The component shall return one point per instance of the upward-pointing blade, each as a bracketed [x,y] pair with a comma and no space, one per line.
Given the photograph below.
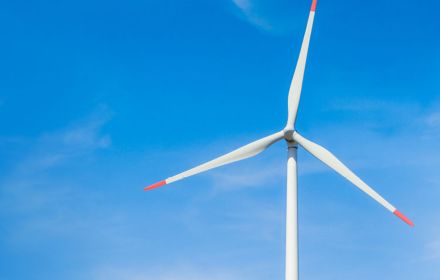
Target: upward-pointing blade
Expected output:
[297,80]
[329,159]
[244,152]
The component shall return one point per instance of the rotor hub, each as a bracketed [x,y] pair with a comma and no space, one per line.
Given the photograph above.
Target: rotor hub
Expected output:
[288,134]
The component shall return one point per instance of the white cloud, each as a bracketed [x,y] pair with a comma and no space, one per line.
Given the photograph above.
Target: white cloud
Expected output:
[433,250]
[433,119]
[43,201]
[249,10]
[431,122]
[78,139]
[252,175]
[274,16]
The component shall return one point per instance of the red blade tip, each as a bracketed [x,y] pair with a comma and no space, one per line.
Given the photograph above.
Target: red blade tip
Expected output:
[313,8]
[157,185]
[405,219]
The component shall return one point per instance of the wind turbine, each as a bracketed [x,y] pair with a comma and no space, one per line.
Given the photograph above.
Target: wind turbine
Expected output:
[293,139]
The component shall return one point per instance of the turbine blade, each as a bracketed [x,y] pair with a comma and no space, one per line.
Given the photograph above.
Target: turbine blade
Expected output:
[297,80]
[329,159]
[244,152]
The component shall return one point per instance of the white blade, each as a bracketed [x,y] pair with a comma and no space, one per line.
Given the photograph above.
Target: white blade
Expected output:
[296,85]
[244,152]
[329,159]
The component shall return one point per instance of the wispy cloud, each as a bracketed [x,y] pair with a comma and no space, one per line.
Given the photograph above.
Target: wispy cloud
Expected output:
[43,200]
[77,139]
[249,10]
[254,174]
[432,250]
[56,209]
[433,119]
[273,16]
[397,117]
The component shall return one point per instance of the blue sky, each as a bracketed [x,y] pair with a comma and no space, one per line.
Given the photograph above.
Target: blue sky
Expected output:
[100,98]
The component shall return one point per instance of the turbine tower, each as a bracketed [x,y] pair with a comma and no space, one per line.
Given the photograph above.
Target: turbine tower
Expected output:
[293,139]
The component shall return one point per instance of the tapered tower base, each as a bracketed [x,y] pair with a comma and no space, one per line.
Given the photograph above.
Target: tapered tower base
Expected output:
[292,213]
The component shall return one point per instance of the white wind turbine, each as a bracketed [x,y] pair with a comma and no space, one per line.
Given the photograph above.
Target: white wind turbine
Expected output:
[293,138]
